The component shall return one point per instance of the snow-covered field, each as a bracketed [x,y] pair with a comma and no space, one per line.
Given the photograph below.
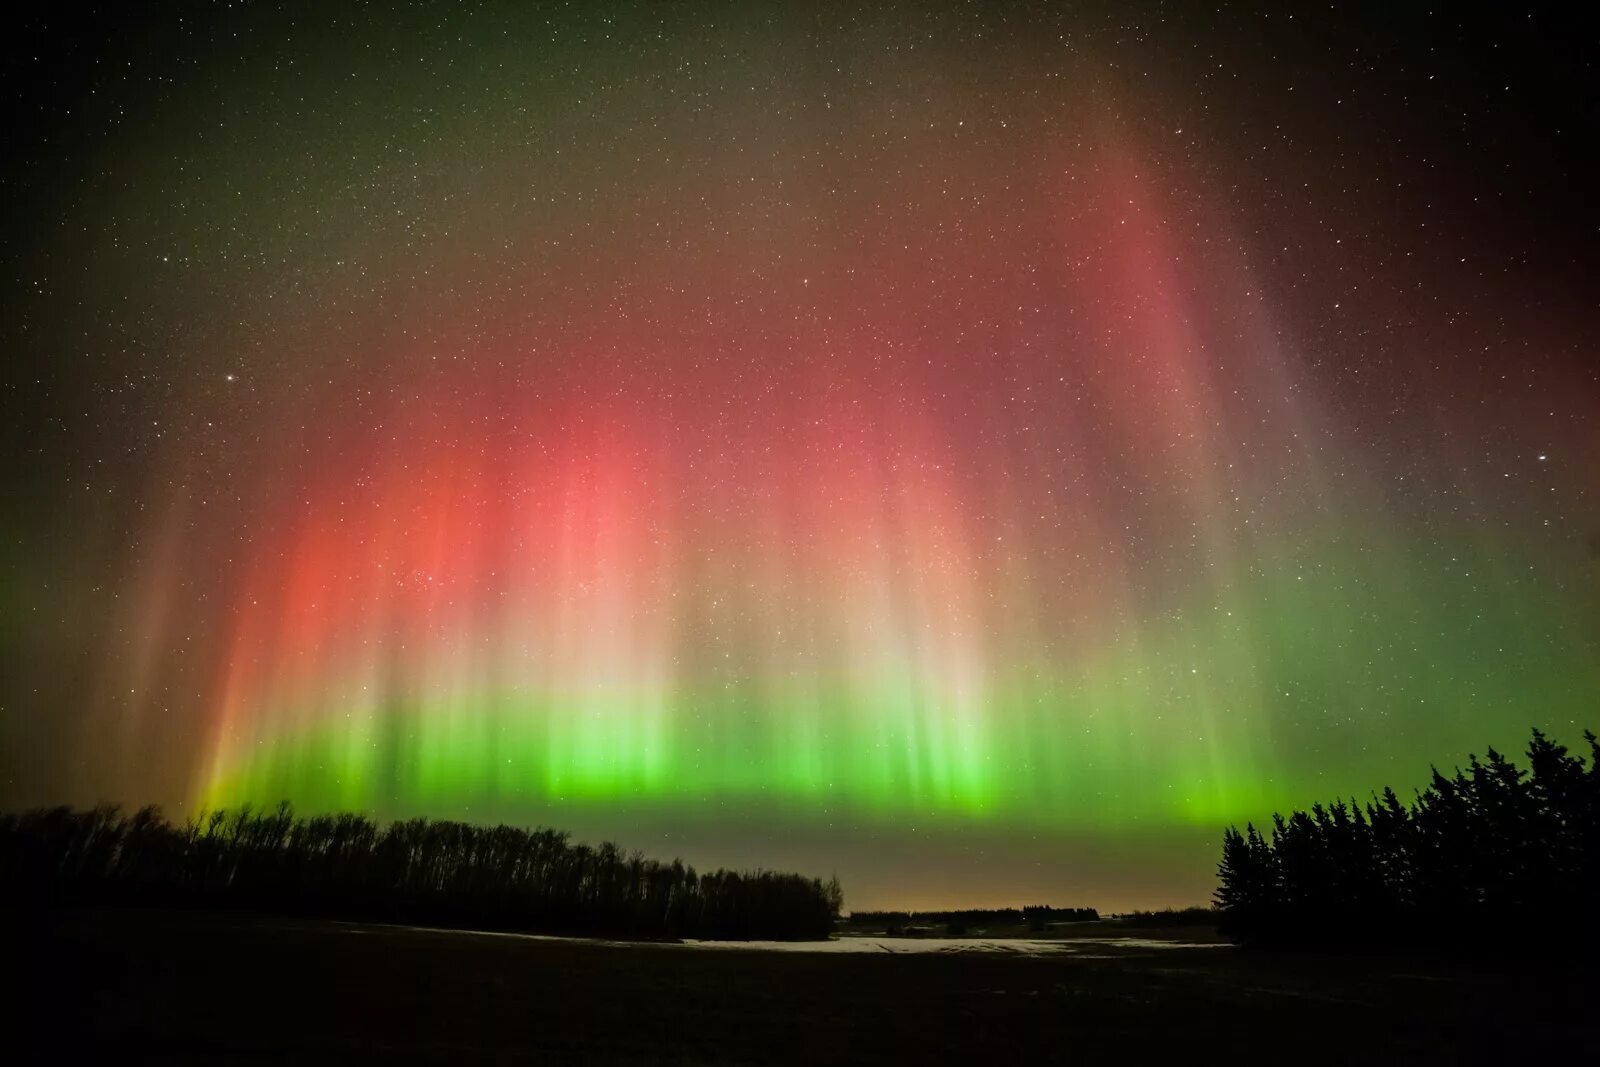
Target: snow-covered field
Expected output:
[1083,947]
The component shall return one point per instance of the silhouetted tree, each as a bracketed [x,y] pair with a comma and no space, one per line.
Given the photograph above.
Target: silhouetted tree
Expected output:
[1489,842]
[346,865]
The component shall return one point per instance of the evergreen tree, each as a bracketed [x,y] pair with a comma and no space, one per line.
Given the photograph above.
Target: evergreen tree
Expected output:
[1488,842]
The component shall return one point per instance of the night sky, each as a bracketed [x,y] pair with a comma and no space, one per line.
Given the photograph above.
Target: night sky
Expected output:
[978,450]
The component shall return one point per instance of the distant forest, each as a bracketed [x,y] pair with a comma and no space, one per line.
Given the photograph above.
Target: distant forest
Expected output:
[1491,844]
[956,923]
[347,866]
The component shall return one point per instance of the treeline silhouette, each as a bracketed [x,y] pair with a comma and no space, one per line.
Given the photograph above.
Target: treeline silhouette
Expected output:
[1171,917]
[1491,844]
[1035,916]
[418,871]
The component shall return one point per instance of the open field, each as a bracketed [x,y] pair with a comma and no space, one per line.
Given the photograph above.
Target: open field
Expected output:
[168,986]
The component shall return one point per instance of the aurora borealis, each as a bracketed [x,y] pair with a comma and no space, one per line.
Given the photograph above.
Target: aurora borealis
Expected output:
[980,450]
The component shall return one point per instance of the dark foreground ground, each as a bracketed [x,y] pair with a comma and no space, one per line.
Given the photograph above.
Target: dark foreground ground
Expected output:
[121,986]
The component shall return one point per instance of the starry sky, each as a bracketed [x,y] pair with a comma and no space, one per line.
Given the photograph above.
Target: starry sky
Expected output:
[979,450]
